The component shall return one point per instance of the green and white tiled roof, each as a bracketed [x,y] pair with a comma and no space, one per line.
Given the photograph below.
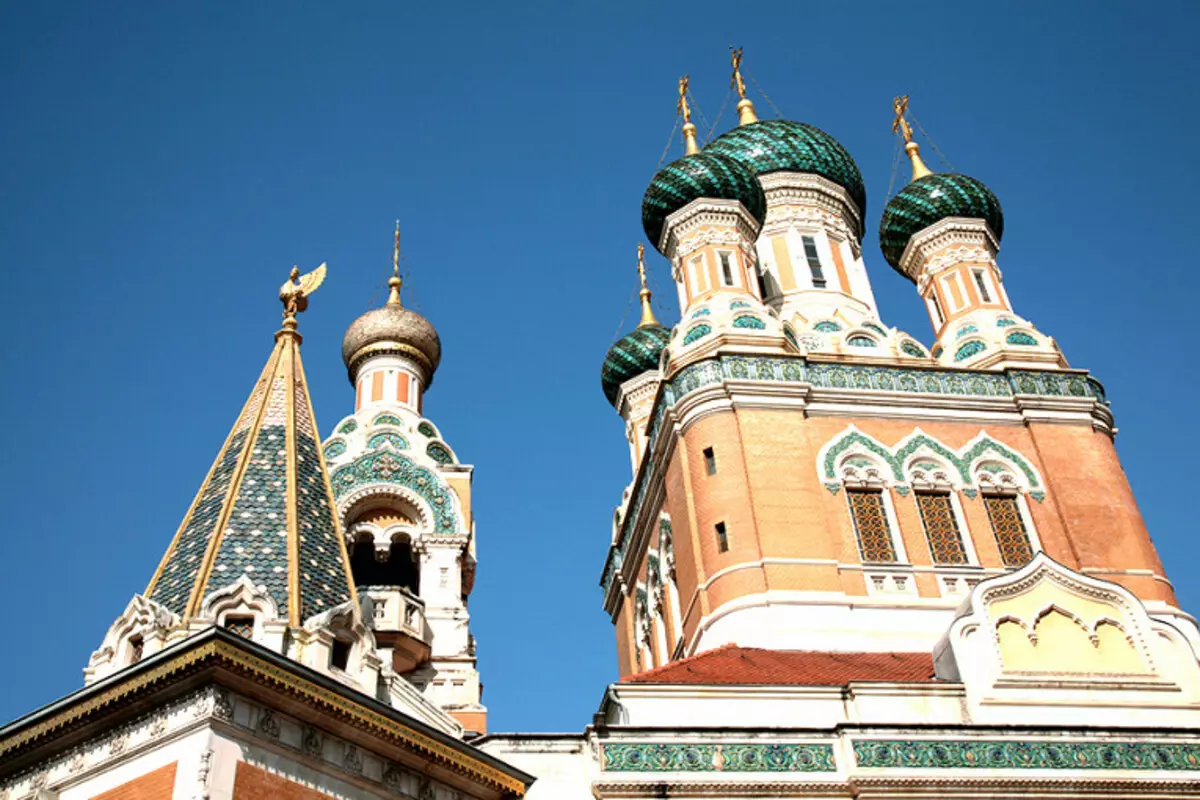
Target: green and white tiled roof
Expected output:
[931,199]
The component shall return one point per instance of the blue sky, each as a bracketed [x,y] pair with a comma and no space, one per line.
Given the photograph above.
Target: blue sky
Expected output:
[162,166]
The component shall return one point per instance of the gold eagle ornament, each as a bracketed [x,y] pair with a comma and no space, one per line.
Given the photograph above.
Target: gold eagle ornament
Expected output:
[294,293]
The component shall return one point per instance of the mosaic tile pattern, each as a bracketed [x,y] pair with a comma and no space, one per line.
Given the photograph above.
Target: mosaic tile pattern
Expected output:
[931,199]
[797,369]
[861,341]
[827,327]
[780,145]
[335,449]
[698,332]
[913,349]
[634,353]
[382,467]
[439,453]
[324,582]
[254,543]
[349,426]
[387,438]
[749,321]
[703,175]
[739,304]
[425,429]
[969,349]
[739,757]
[1005,322]
[982,754]
[1021,338]
[386,419]
[178,577]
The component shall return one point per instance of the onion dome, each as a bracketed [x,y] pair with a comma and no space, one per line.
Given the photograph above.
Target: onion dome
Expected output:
[638,351]
[393,329]
[635,353]
[780,145]
[694,177]
[930,199]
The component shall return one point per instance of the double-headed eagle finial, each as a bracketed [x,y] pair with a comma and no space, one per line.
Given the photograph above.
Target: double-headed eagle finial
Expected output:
[294,293]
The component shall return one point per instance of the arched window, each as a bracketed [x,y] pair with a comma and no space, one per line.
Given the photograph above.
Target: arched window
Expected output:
[868,498]
[936,496]
[1002,488]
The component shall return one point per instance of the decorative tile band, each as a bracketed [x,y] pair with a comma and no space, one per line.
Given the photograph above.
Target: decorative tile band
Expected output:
[748,757]
[933,754]
[775,369]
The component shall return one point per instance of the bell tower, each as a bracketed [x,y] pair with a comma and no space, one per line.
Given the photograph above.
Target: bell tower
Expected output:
[404,500]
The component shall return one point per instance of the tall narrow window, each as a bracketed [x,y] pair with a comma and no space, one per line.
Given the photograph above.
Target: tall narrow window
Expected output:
[939,317]
[982,284]
[871,525]
[814,262]
[242,626]
[941,528]
[136,647]
[722,538]
[762,283]
[726,270]
[339,656]
[710,461]
[1011,536]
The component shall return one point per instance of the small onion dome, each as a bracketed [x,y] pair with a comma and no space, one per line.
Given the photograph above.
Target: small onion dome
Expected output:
[703,175]
[780,145]
[930,199]
[392,329]
[634,353]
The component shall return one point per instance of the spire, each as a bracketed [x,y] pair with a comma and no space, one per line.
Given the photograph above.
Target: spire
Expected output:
[900,125]
[685,111]
[647,313]
[394,281]
[265,511]
[745,108]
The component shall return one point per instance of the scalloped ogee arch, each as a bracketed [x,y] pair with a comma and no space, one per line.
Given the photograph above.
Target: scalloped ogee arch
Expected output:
[896,458]
[388,467]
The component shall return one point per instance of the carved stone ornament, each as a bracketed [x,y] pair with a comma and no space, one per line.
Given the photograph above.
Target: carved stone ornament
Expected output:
[222,705]
[313,742]
[426,792]
[268,724]
[352,759]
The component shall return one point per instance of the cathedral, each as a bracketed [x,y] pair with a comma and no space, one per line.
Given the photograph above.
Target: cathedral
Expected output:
[845,564]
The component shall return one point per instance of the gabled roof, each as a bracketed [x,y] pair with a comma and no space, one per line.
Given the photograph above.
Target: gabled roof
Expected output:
[751,666]
[266,509]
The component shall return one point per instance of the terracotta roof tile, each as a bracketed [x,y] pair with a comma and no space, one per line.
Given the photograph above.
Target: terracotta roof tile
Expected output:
[733,665]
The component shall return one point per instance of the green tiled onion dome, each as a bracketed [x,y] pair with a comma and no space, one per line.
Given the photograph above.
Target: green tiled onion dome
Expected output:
[703,175]
[780,145]
[930,199]
[634,353]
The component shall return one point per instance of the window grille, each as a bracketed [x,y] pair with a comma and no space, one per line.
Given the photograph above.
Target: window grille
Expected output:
[871,525]
[1011,536]
[941,528]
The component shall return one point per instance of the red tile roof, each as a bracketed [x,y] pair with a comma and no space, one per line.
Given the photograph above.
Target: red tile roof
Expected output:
[733,665]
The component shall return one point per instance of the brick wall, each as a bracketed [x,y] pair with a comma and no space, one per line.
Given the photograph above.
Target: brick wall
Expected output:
[156,785]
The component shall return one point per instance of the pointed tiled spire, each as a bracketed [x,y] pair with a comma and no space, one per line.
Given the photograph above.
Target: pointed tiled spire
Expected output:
[266,508]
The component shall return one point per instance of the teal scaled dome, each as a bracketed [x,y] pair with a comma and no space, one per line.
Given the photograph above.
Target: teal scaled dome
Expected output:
[780,145]
[930,199]
[702,175]
[634,353]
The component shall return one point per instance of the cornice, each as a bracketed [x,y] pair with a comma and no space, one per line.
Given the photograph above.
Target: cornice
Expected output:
[942,234]
[702,212]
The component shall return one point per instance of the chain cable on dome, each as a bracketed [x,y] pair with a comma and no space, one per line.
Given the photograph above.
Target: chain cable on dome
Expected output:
[764,94]
[667,149]
[724,104]
[696,106]
[895,168]
[621,325]
[932,144]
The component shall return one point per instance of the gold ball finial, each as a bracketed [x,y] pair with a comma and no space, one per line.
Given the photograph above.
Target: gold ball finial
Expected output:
[745,108]
[647,312]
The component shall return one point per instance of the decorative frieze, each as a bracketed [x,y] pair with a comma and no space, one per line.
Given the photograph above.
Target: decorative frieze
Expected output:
[723,757]
[1023,754]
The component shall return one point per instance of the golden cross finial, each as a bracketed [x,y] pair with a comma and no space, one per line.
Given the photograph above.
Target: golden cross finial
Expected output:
[691,147]
[736,82]
[647,312]
[745,108]
[900,125]
[684,109]
[394,281]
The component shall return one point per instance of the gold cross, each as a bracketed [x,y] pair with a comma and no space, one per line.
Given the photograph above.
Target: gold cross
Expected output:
[736,82]
[684,109]
[900,124]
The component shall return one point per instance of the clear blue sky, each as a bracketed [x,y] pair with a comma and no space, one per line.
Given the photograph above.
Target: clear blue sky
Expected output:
[162,165]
